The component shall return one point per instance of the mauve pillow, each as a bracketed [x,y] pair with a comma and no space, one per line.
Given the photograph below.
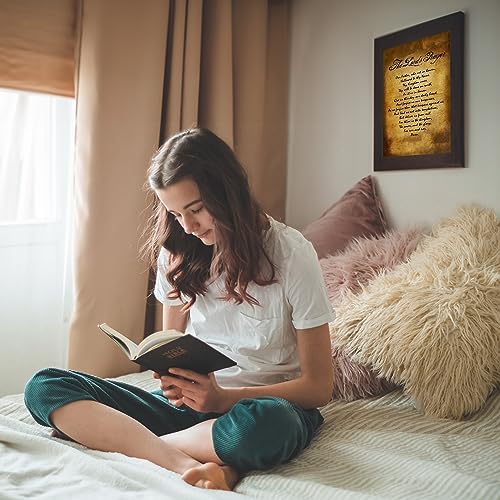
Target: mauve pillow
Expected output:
[351,269]
[357,213]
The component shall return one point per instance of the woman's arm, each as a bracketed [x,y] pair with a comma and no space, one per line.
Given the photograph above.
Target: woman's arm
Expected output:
[174,318]
[314,386]
[311,389]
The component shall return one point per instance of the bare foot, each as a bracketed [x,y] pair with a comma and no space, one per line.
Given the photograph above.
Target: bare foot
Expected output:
[212,476]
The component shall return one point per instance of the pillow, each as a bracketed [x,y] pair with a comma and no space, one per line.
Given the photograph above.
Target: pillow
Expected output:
[364,258]
[357,213]
[432,323]
[355,266]
[352,380]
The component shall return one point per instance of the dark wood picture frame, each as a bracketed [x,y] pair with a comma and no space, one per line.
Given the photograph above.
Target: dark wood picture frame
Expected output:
[419,96]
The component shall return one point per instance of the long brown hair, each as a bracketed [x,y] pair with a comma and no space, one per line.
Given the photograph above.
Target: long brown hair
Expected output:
[239,221]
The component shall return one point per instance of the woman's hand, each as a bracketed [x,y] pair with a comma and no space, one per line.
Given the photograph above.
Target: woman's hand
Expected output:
[171,392]
[199,392]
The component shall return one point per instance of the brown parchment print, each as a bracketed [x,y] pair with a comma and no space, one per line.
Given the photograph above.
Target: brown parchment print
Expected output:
[417,97]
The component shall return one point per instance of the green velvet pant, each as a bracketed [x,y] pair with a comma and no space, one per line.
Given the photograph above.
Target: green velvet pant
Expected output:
[254,434]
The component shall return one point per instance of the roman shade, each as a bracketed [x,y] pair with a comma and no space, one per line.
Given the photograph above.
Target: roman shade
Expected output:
[37,45]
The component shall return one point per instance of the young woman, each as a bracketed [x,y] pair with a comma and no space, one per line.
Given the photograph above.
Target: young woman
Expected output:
[249,286]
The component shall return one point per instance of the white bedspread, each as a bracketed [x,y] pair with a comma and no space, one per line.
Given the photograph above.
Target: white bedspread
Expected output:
[376,448]
[36,466]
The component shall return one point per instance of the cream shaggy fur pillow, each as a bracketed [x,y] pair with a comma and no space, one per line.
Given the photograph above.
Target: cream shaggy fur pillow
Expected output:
[432,323]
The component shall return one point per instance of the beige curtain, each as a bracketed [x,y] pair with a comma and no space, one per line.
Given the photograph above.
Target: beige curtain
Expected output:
[227,69]
[223,65]
[37,45]
[119,103]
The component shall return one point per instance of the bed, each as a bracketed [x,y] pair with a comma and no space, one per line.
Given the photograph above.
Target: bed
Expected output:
[416,350]
[379,447]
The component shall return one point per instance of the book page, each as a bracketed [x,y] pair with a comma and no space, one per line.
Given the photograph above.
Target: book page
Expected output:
[156,339]
[127,345]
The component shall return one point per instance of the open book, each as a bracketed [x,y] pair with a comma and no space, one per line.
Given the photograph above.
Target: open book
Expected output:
[170,349]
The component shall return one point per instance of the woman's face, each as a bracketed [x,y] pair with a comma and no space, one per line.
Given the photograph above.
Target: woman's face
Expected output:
[183,201]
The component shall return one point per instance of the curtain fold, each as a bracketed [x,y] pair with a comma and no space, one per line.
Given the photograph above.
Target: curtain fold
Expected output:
[217,81]
[37,45]
[182,66]
[224,66]
[244,89]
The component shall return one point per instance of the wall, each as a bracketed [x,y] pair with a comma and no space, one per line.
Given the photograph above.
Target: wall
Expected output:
[331,109]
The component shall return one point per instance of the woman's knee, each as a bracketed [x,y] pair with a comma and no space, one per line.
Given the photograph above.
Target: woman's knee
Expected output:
[50,389]
[260,433]
[41,385]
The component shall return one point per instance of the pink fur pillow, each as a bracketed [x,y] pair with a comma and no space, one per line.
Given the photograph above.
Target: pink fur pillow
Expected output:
[351,269]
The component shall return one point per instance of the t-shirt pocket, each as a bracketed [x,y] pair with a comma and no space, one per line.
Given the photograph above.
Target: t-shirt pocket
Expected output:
[261,339]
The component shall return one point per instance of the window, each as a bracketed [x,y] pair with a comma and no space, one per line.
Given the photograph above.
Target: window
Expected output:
[36,175]
[34,156]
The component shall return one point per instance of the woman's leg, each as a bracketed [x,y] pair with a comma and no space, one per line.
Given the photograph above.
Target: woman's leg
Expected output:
[53,388]
[197,442]
[100,427]
[103,428]
[254,434]
[257,434]
[112,416]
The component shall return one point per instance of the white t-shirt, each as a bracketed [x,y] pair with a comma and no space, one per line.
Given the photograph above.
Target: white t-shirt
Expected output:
[261,339]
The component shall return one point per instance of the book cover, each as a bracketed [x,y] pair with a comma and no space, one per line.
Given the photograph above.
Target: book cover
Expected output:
[187,352]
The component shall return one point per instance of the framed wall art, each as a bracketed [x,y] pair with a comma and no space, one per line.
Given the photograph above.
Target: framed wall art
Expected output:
[419,96]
